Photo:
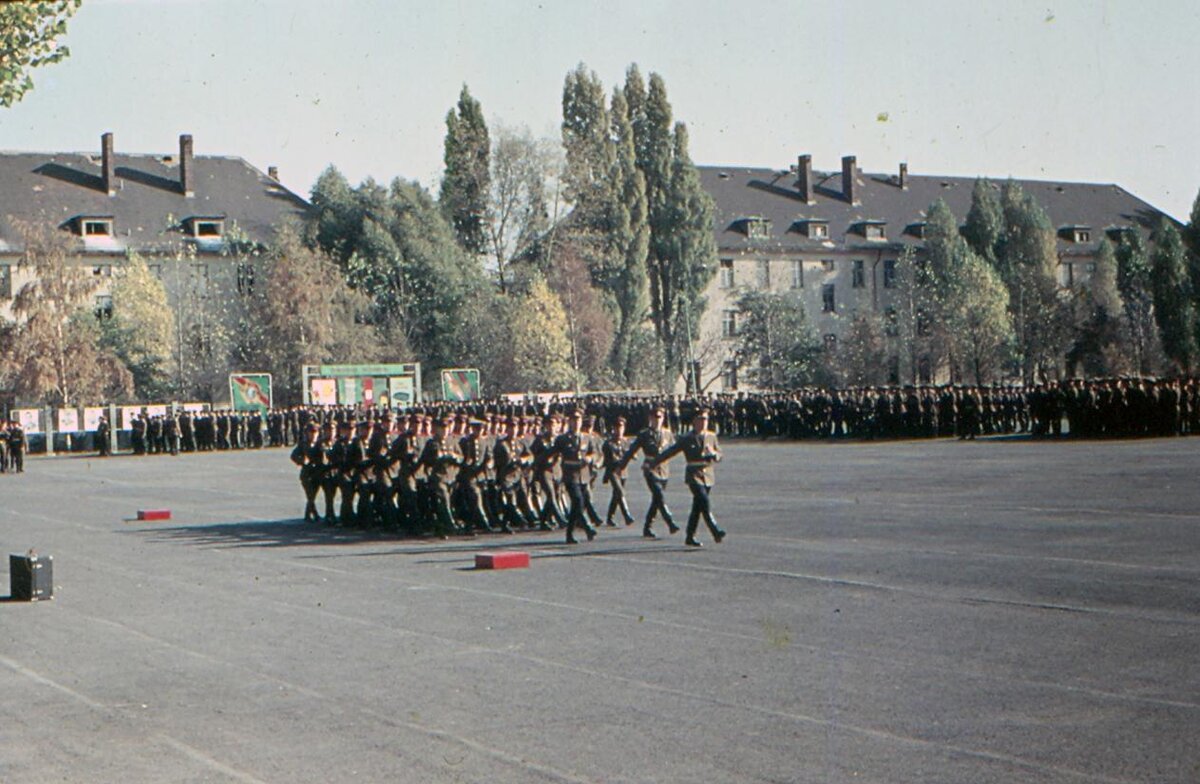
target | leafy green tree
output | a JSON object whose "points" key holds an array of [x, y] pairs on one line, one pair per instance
{"points": [[141, 328], [985, 221], [980, 328], [541, 346], [29, 33], [394, 246], [1102, 345], [309, 315], [629, 237], [1134, 286], [466, 181], [861, 357], [588, 325], [1172, 291], [1028, 263], [776, 343]]}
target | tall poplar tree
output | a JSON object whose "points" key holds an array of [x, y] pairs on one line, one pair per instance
{"points": [[1172, 289], [1102, 345], [1134, 285], [629, 238], [466, 181]]}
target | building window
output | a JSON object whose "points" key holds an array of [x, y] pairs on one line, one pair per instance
{"points": [[93, 227], [764, 274], [891, 323], [1083, 235], [894, 370], [208, 228], [245, 278], [797, 274], [828, 303], [889, 273], [1091, 268], [729, 324], [103, 307], [102, 270], [831, 343], [758, 228], [818, 230], [922, 323], [827, 265], [155, 270], [727, 280], [729, 375], [200, 276], [1070, 270], [858, 276], [5, 281], [873, 231]]}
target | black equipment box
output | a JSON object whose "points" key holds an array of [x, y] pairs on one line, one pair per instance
{"points": [[31, 577]]}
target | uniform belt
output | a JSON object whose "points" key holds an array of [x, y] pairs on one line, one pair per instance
{"points": [[697, 463]]}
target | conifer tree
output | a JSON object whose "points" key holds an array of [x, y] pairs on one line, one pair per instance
{"points": [[466, 181], [985, 221], [629, 240]]}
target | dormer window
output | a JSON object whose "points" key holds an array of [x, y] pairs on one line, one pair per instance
{"points": [[1118, 233], [1076, 233], [758, 228], [872, 230], [96, 227], [916, 230], [814, 229], [206, 228]]}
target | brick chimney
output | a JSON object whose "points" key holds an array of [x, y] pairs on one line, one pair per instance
{"points": [[273, 173], [904, 176], [187, 177], [804, 178], [849, 176], [108, 166]]}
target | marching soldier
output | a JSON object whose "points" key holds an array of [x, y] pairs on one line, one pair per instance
{"points": [[577, 451], [614, 472], [309, 455], [652, 442], [441, 459], [701, 450]]}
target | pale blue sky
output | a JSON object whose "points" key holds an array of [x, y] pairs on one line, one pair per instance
{"points": [[1091, 91]]}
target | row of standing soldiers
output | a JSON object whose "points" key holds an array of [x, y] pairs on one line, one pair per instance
{"points": [[206, 431], [12, 447], [1114, 407], [454, 475]]}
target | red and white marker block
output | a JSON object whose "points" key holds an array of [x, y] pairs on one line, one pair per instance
{"points": [[506, 559], [154, 514]]}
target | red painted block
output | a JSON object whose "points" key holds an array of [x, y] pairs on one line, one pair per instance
{"points": [[154, 514], [507, 559]]}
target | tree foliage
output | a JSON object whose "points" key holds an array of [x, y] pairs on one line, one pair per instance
{"points": [[776, 344], [1172, 291], [517, 209], [54, 354], [29, 33], [541, 346], [588, 326], [141, 327], [466, 180]]}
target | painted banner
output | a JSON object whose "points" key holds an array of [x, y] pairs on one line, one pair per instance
{"points": [[250, 391], [91, 418], [127, 415], [68, 420], [29, 419], [460, 384], [402, 389], [323, 391]]}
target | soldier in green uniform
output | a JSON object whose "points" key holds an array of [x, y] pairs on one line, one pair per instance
{"points": [[651, 442], [613, 450], [701, 450], [577, 451], [309, 455], [441, 458]]}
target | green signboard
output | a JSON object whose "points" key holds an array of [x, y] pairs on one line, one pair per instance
{"points": [[360, 371], [460, 384], [250, 391]]}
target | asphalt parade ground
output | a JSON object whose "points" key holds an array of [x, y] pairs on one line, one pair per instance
{"points": [[996, 611]]}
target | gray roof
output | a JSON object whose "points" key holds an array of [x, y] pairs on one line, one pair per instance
{"points": [[149, 209], [742, 194]]}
